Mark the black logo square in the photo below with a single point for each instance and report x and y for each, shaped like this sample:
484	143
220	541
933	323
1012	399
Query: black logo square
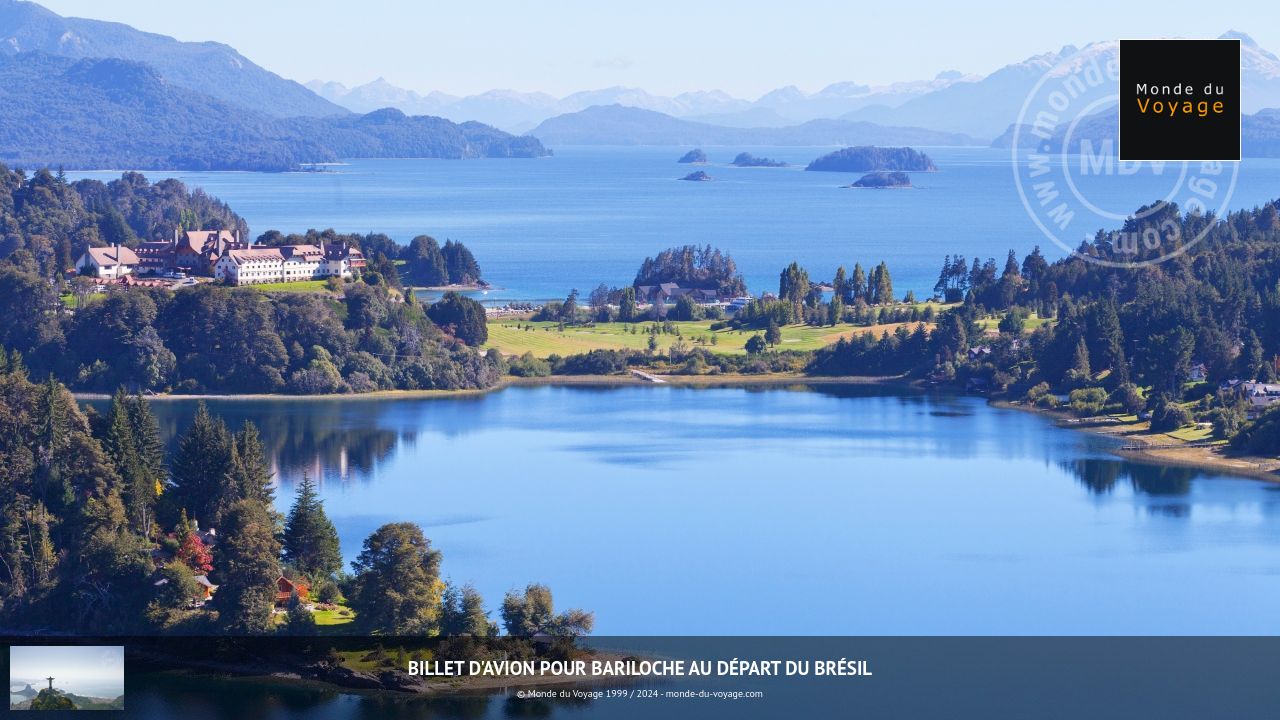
1179	100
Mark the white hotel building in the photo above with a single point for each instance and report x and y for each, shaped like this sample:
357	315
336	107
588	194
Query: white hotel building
287	263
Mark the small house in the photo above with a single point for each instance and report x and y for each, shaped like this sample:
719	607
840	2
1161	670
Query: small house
206	587
286	588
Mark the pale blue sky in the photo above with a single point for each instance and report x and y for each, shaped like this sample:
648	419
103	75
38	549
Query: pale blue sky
745	47
77	669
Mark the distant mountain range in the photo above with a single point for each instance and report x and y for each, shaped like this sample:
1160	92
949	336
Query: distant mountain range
1260	135
977	106
519	112
111	113
619	125
209	68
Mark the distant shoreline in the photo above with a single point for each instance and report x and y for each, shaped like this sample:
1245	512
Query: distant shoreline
725	380
1176	453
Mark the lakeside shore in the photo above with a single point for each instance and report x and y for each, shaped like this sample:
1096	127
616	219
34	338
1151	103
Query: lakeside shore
726	380
1141	442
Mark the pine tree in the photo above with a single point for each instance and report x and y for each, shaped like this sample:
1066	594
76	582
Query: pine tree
1080	361
201	467
251	471
627	305
882	290
39	545
835	309
840	285
858	284
138	473
462	612
772	334
248	565
142	491
1249	363
310	540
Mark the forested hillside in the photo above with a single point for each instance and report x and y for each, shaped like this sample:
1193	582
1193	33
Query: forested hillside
1133	338
108	113
368	336
207	67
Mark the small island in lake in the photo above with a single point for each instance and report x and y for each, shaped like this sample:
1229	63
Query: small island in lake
698	176
694	156
883	180
749	160
871	159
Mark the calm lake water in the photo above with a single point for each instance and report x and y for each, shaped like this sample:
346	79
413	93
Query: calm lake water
590	215
837	510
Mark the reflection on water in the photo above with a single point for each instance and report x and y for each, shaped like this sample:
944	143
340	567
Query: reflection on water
1100	475
678	510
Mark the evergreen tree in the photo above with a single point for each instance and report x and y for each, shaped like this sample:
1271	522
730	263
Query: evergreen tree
310	540
835	309
250	470
840	285
298	619
627	306
248	564
880	290
773	334
793	287
533	613
462	612
201	467
425	263
857	284
1080	368
145	488
1249	363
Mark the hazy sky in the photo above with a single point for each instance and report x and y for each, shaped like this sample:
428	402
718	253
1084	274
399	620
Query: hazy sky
74	669
745	47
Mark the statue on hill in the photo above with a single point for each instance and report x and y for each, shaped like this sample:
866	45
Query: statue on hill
50	699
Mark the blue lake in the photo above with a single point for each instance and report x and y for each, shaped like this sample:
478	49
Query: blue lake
590	215
832	510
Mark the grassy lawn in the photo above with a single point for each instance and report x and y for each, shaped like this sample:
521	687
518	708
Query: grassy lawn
546	338
1191	433
295	286
69	299
1032	322
334	617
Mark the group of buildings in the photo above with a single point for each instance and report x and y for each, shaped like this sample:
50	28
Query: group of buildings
669	292
224	256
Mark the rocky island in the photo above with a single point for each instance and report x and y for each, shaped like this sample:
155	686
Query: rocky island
872	159
749	160
882	180
694	156
698	176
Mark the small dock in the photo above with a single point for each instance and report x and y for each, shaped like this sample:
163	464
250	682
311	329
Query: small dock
646	376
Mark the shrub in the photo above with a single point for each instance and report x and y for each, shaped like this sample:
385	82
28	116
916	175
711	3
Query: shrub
1128	398
1168	415
1087	402
1036	392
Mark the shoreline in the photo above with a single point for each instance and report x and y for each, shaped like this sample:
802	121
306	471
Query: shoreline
726	381
1177	453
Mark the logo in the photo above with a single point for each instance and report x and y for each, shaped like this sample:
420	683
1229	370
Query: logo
1069	173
